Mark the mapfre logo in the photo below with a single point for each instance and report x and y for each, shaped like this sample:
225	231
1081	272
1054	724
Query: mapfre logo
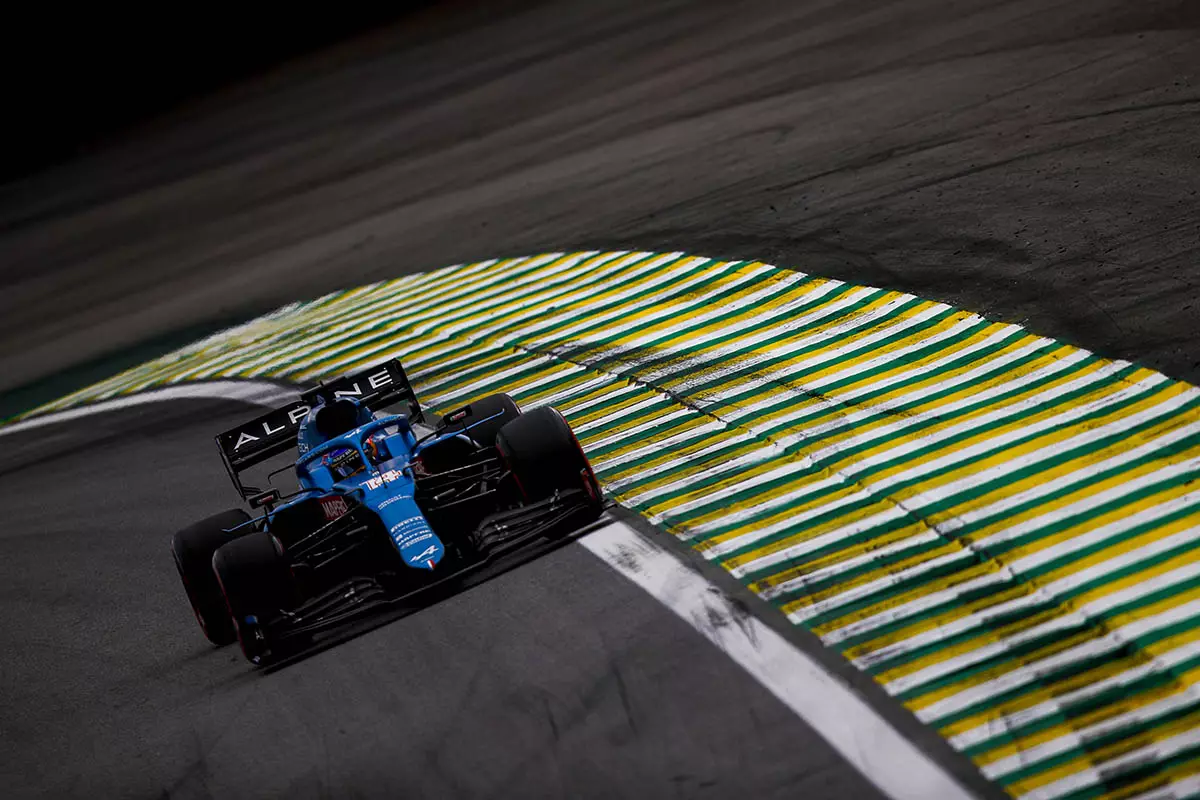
334	507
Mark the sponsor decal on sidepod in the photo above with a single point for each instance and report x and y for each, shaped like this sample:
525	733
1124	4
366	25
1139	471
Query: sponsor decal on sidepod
334	507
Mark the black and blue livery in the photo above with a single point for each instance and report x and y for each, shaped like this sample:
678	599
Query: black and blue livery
386	507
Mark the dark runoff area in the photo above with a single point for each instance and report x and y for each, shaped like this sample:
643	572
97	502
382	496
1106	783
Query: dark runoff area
78	75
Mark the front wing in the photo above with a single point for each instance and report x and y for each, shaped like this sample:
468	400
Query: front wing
503	541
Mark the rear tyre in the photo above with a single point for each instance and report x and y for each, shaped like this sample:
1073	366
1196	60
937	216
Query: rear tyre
257	583
192	549
541	450
501	407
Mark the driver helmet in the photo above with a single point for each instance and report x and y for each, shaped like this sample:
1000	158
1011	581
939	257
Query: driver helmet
330	419
344	462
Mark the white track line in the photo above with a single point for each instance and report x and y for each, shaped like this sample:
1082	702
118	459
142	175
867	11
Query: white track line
833	710
842	718
253	392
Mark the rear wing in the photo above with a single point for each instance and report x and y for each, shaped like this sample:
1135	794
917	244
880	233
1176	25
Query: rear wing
275	432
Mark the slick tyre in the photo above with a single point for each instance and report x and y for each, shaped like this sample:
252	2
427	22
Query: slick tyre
544	456
256	580
501	408
192	549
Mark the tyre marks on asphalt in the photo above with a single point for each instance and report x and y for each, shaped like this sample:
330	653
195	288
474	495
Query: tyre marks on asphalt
998	527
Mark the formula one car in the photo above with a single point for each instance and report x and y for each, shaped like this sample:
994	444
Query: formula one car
386	508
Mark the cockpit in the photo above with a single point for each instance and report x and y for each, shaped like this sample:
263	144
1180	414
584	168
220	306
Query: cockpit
328	424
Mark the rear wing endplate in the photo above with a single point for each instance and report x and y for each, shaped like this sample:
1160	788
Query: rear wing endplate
275	432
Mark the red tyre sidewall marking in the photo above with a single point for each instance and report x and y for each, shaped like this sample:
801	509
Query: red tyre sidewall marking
237	628
591	484
187	588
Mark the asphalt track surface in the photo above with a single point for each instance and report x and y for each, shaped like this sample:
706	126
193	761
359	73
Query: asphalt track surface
558	679
1032	160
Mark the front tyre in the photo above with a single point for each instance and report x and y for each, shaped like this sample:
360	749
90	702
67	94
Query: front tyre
192	549
256	580
544	456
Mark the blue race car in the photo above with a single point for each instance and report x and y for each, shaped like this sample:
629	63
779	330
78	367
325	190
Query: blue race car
386	508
